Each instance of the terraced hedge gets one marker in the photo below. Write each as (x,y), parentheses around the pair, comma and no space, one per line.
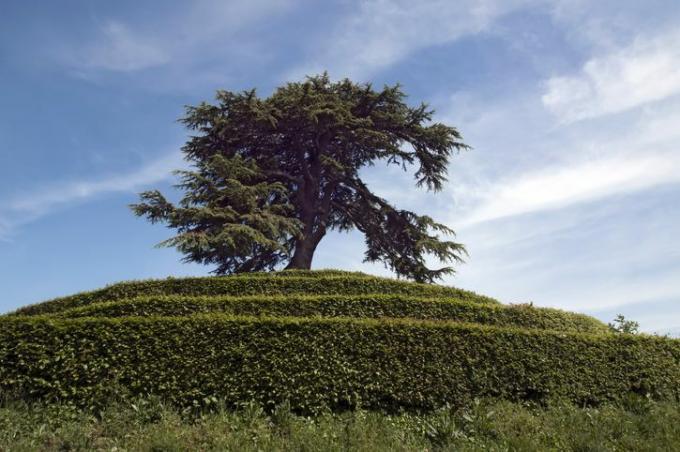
(319,339)
(282,283)
(387,364)
(354,306)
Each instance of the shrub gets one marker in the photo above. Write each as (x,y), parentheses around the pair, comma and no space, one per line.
(312,363)
(623,325)
(356,306)
(298,282)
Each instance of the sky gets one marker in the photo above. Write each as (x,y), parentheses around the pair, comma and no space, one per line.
(568,197)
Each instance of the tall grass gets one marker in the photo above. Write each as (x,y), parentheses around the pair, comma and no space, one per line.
(151,425)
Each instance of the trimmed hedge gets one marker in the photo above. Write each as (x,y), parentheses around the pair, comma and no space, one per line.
(281,283)
(358,306)
(306,273)
(320,339)
(312,363)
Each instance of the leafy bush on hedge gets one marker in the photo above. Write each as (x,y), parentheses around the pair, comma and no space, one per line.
(280,283)
(315,362)
(357,306)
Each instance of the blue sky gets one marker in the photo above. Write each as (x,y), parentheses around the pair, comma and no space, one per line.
(569,198)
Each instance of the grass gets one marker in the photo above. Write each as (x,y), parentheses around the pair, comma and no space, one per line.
(150,425)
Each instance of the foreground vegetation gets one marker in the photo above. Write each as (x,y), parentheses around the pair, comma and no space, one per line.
(150,425)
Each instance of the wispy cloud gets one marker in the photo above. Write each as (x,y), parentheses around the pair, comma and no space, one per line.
(571,161)
(646,71)
(560,186)
(178,37)
(383,32)
(34,205)
(565,204)
(120,49)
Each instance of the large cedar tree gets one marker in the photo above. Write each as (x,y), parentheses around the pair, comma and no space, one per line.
(270,177)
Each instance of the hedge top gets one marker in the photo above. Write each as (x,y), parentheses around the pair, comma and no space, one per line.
(303,293)
(381,306)
(324,282)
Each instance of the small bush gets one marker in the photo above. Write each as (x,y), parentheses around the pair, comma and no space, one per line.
(623,325)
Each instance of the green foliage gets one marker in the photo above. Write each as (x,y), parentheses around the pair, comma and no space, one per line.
(280,283)
(355,306)
(624,326)
(315,363)
(151,425)
(272,176)
(319,340)
(230,216)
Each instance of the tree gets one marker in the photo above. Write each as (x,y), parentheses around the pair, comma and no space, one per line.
(272,176)
(624,326)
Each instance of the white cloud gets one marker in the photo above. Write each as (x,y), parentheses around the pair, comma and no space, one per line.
(178,37)
(565,163)
(561,186)
(648,70)
(615,292)
(119,49)
(382,32)
(593,257)
(31,206)
(581,220)
(209,19)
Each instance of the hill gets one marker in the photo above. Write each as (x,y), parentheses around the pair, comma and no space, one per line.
(316,339)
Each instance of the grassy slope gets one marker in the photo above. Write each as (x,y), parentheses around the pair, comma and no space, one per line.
(148,425)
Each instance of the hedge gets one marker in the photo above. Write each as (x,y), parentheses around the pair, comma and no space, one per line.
(325,283)
(306,273)
(358,306)
(314,363)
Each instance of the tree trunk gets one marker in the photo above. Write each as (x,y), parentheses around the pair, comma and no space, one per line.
(314,218)
(304,252)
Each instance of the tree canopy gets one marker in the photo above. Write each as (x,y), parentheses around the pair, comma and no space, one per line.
(271,176)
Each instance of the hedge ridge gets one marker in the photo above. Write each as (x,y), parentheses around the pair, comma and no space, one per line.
(314,362)
(357,306)
(326,283)
(323,273)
